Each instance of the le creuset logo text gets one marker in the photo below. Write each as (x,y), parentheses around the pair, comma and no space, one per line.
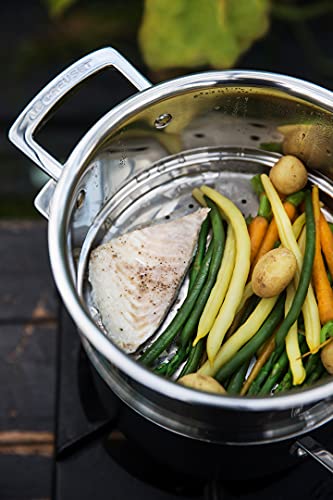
(57,88)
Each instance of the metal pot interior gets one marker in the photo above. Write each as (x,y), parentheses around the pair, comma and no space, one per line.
(140,163)
(242,125)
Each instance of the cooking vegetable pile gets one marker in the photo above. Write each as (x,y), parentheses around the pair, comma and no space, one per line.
(258,315)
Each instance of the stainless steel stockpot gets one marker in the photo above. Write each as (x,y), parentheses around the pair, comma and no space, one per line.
(139,163)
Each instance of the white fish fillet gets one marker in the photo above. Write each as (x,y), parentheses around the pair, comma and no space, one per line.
(135,277)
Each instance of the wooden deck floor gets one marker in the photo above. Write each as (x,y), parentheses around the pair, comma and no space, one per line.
(28,346)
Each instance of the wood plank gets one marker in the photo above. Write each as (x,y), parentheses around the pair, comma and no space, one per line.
(28,317)
(27,443)
(27,376)
(41,449)
(27,291)
(12,437)
(30,299)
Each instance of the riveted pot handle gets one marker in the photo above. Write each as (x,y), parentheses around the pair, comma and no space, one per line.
(22,131)
(309,446)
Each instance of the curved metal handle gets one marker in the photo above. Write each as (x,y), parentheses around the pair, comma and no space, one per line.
(311,447)
(22,131)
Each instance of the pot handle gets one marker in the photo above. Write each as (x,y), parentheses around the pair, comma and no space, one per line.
(22,131)
(309,446)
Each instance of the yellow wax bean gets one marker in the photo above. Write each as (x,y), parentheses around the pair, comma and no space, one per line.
(240,337)
(292,345)
(220,288)
(286,235)
(240,273)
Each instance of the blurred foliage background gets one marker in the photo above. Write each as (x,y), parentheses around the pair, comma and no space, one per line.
(177,33)
(163,38)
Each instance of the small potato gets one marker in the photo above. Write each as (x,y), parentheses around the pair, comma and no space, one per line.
(202,383)
(288,175)
(327,357)
(273,272)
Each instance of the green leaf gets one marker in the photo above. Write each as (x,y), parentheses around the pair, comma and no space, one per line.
(57,7)
(194,33)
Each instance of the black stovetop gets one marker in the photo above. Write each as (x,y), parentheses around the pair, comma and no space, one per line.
(95,461)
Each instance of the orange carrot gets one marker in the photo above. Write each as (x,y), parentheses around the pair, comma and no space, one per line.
(326,242)
(258,226)
(272,234)
(257,230)
(323,290)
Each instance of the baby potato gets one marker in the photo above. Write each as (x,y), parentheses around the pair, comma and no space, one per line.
(202,383)
(288,175)
(273,272)
(327,357)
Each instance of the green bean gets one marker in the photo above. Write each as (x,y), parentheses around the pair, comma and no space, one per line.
(257,186)
(305,277)
(278,369)
(249,219)
(262,376)
(313,368)
(218,248)
(249,349)
(200,252)
(161,369)
(311,364)
(264,209)
(295,198)
(286,383)
(237,379)
(274,147)
(194,358)
(169,367)
(177,360)
(162,342)
(326,331)
(315,375)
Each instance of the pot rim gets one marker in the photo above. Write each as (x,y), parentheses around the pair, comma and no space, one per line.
(62,203)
